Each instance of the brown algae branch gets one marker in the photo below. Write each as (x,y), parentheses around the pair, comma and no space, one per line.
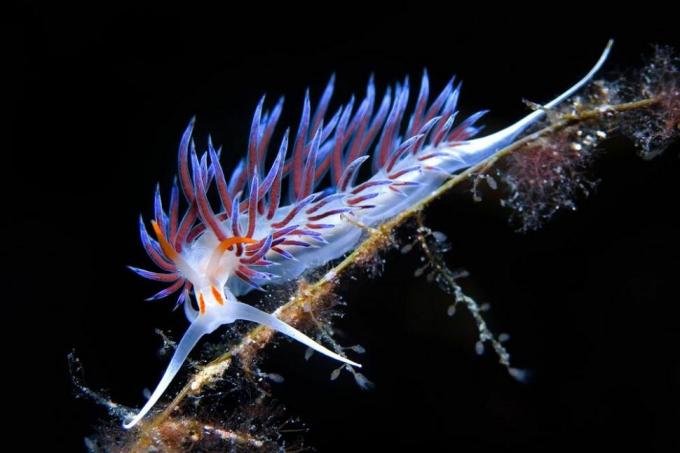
(564,121)
(447,280)
(309,296)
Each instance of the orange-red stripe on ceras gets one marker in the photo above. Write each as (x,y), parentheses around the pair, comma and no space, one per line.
(167,248)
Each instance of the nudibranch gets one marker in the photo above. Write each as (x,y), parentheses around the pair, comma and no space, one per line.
(212,256)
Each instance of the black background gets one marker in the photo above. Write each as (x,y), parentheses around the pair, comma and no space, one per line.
(97,98)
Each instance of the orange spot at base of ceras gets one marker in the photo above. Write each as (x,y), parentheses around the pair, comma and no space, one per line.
(201,303)
(167,248)
(218,296)
(227,243)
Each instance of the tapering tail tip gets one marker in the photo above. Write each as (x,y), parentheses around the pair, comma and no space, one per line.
(587,78)
(475,150)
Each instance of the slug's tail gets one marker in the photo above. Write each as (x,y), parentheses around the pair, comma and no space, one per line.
(249,313)
(193,334)
(474,151)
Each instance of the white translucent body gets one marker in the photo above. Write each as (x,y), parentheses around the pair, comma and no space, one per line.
(197,262)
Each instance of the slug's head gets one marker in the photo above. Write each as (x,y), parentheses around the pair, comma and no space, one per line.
(206,264)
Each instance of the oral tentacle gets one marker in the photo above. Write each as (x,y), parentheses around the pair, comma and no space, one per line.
(191,337)
(239,310)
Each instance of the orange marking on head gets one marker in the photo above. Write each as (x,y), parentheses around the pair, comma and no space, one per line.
(224,245)
(218,296)
(167,248)
(201,303)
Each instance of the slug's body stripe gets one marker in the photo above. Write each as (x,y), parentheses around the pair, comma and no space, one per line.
(217,295)
(254,240)
(201,303)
